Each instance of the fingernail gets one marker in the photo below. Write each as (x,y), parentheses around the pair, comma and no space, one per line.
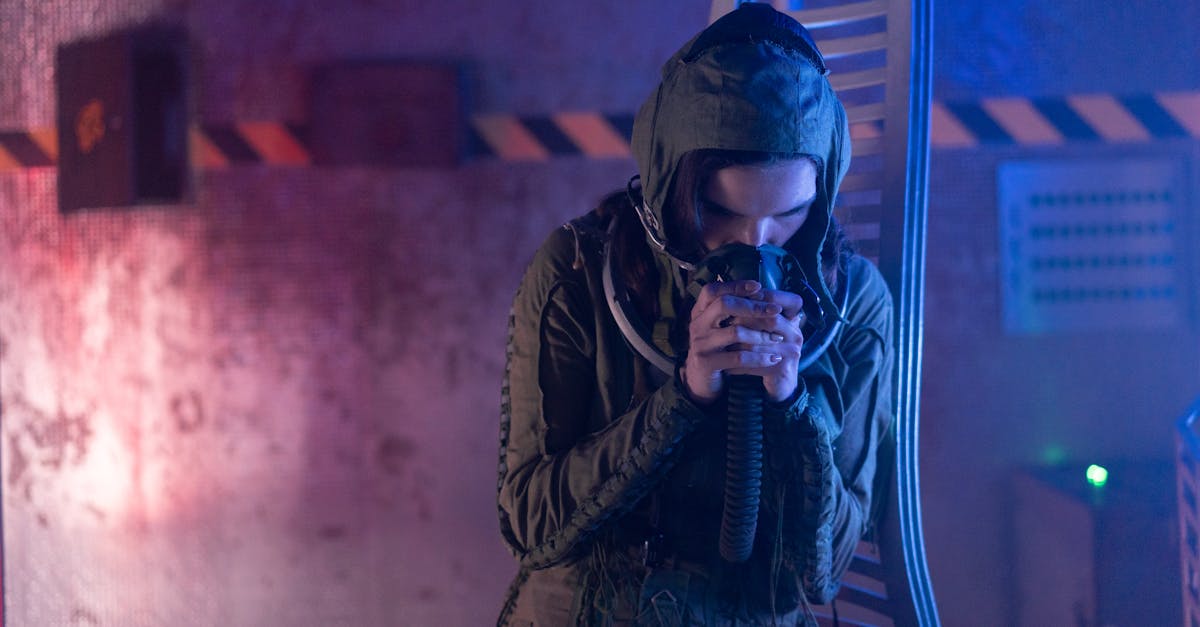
(775,337)
(750,286)
(775,358)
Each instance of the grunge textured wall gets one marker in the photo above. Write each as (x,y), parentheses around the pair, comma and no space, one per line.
(277,404)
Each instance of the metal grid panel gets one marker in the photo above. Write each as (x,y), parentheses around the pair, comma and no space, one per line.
(845,32)
(1091,245)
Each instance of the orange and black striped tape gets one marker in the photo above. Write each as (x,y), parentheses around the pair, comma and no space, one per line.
(212,145)
(1047,121)
(218,146)
(513,137)
(28,149)
(954,124)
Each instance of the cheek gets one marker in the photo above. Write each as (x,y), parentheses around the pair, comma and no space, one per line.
(714,231)
(786,229)
(713,238)
(782,230)
(794,225)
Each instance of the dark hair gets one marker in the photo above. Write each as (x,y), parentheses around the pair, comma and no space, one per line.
(632,256)
(683,224)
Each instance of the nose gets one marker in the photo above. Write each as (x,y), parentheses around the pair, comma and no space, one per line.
(756,233)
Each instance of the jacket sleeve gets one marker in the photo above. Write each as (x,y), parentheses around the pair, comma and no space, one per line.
(828,445)
(560,479)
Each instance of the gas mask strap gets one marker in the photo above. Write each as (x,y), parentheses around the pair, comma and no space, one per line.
(651,224)
(821,341)
(620,308)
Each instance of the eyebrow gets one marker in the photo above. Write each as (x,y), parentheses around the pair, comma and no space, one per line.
(712,204)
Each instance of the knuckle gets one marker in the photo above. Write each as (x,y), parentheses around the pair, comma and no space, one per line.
(716,289)
(757,360)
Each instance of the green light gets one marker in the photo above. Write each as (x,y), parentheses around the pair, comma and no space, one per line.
(1053,455)
(1097,475)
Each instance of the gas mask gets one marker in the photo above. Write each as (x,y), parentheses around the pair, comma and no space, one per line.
(773,267)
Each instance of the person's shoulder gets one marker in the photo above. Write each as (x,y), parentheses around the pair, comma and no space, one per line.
(565,245)
(557,249)
(864,277)
(566,253)
(870,299)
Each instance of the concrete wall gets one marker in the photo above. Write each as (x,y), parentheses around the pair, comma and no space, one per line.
(278,404)
(994,403)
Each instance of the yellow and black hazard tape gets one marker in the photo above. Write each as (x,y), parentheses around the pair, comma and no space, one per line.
(273,143)
(213,146)
(36,148)
(1057,120)
(512,137)
(954,124)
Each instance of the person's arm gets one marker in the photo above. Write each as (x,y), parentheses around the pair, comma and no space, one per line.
(826,444)
(560,482)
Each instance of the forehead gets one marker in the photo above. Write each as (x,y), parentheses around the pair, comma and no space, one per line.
(763,189)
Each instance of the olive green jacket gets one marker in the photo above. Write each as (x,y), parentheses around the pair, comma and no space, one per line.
(596,454)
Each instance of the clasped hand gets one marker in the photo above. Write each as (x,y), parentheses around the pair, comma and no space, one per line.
(737,327)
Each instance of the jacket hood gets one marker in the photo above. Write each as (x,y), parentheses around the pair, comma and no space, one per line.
(752,81)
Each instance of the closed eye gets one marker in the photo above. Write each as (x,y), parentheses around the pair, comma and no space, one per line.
(719,211)
(716,210)
(792,212)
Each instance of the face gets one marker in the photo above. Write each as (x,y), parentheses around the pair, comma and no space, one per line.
(757,204)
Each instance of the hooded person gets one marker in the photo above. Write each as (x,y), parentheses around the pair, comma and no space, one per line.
(615,489)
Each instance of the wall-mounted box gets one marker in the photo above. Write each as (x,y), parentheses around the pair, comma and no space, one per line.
(123,119)
(388,113)
(1088,554)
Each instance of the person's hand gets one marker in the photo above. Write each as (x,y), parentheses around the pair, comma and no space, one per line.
(737,327)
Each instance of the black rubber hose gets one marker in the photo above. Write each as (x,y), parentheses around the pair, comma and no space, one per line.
(743,467)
